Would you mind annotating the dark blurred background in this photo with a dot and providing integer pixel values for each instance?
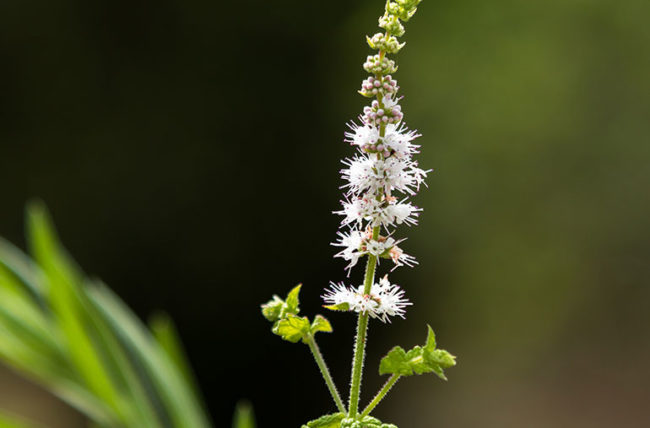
(189, 152)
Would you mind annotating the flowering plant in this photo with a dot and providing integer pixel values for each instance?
(380, 179)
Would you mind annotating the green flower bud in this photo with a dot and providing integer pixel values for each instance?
(401, 12)
(408, 4)
(376, 65)
(387, 44)
(391, 24)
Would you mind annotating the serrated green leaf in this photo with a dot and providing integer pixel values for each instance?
(395, 362)
(292, 328)
(277, 309)
(418, 360)
(293, 301)
(320, 323)
(338, 307)
(327, 421)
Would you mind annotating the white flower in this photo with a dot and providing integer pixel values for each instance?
(384, 300)
(399, 213)
(351, 244)
(357, 244)
(400, 258)
(402, 174)
(390, 102)
(360, 209)
(391, 299)
(378, 213)
(366, 174)
(398, 139)
(362, 135)
(361, 175)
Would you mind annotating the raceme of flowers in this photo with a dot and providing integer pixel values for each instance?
(379, 179)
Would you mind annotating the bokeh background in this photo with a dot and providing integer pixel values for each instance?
(189, 150)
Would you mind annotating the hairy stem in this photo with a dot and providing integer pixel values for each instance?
(380, 395)
(362, 330)
(326, 373)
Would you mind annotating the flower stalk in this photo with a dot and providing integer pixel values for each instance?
(320, 361)
(380, 395)
(360, 342)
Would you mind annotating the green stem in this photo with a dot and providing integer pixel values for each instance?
(362, 323)
(311, 341)
(380, 395)
(360, 343)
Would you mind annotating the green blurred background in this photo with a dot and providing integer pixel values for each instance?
(189, 151)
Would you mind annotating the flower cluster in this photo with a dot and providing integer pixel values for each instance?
(383, 175)
(384, 300)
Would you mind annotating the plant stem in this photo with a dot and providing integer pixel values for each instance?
(362, 323)
(380, 395)
(360, 343)
(326, 373)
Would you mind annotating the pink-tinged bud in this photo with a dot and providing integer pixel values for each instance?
(380, 112)
(367, 109)
(375, 104)
(380, 147)
(386, 153)
(371, 78)
(386, 86)
(377, 83)
(374, 91)
(395, 111)
(384, 119)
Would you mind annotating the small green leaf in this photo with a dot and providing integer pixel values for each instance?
(320, 324)
(431, 340)
(418, 360)
(292, 328)
(272, 309)
(327, 421)
(277, 309)
(339, 307)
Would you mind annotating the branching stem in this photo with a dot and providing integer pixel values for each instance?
(380, 395)
(311, 341)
